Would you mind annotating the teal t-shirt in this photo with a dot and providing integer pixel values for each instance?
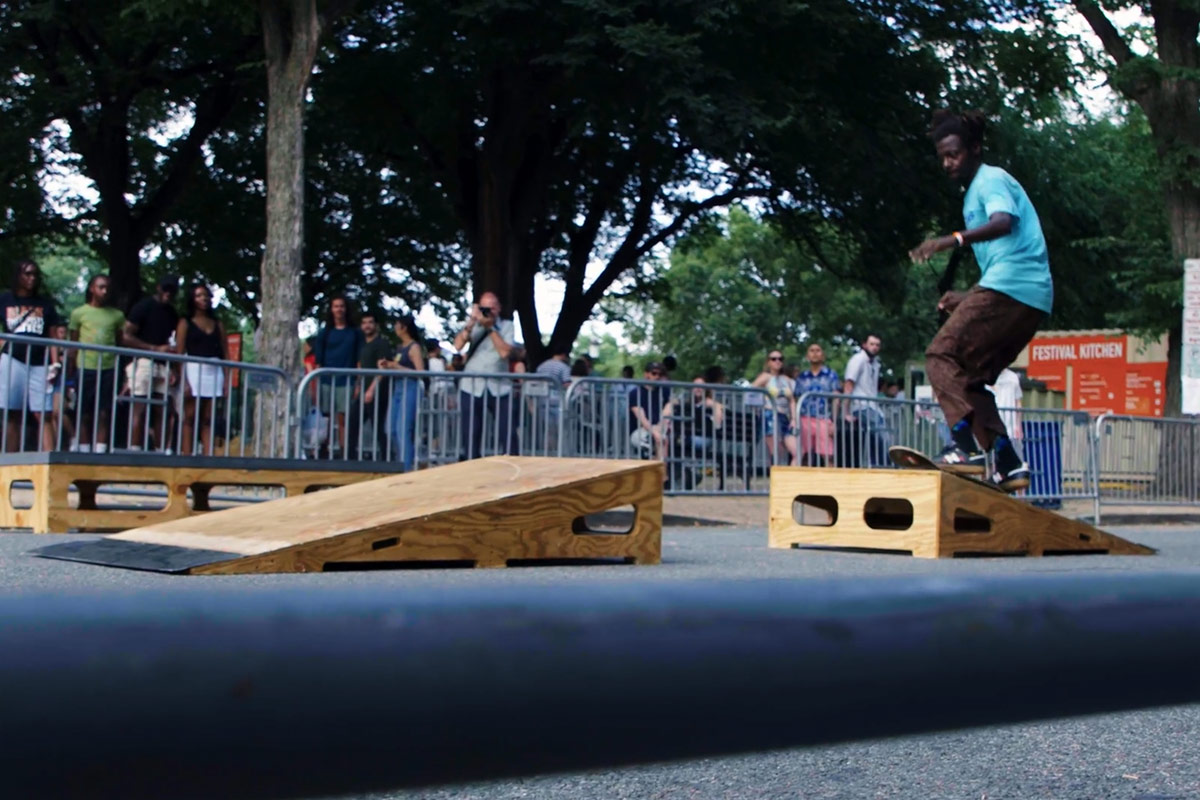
(1015, 264)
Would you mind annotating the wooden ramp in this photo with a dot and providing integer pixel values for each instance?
(50, 510)
(930, 514)
(489, 513)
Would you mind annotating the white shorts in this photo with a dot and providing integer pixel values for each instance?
(146, 376)
(205, 380)
(23, 386)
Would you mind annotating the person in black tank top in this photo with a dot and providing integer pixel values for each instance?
(205, 345)
(201, 335)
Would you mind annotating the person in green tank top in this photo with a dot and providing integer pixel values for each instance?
(96, 322)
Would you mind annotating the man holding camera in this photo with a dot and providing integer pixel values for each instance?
(488, 340)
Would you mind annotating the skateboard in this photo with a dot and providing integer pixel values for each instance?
(907, 458)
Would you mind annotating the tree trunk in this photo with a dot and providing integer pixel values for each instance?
(123, 252)
(125, 271)
(291, 29)
(531, 332)
(571, 317)
(1183, 212)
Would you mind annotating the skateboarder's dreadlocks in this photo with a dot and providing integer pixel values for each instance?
(990, 324)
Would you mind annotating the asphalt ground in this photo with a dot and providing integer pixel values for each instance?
(1142, 755)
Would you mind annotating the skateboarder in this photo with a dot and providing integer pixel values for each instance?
(990, 324)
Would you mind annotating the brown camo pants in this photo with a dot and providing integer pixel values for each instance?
(982, 337)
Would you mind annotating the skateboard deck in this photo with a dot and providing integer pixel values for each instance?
(907, 458)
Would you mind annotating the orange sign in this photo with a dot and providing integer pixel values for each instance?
(1102, 379)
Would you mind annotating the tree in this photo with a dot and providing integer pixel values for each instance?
(66, 270)
(291, 32)
(609, 355)
(593, 133)
(129, 96)
(1096, 187)
(735, 291)
(367, 234)
(1164, 82)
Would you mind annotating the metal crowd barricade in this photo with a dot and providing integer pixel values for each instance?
(1147, 460)
(1060, 450)
(420, 418)
(95, 398)
(838, 430)
(710, 436)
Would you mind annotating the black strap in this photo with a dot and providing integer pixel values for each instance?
(476, 344)
(24, 317)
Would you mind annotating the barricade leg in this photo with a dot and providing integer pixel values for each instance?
(506, 428)
(471, 410)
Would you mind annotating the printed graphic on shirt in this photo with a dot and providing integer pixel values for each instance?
(29, 320)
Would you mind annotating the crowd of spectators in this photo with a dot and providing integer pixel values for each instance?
(59, 396)
(64, 394)
(812, 416)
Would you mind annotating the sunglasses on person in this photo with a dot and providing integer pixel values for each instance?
(775, 358)
(655, 374)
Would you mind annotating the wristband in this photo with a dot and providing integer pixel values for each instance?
(958, 237)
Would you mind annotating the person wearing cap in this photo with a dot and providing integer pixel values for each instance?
(149, 326)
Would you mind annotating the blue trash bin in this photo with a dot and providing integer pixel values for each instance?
(1043, 453)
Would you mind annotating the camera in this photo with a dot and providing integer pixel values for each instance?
(484, 311)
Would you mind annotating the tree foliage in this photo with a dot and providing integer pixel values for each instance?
(1096, 186)
(125, 96)
(484, 142)
(740, 286)
(1157, 67)
(575, 139)
(738, 289)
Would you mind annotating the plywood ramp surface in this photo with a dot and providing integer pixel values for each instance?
(489, 511)
(927, 513)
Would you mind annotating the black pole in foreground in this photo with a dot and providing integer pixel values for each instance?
(265, 694)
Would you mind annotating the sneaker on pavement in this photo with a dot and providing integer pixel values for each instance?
(1013, 479)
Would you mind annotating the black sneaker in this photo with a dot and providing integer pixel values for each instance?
(1012, 480)
(955, 459)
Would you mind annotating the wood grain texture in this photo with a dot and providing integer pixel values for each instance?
(1019, 528)
(852, 489)
(33, 517)
(52, 511)
(487, 512)
(950, 516)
